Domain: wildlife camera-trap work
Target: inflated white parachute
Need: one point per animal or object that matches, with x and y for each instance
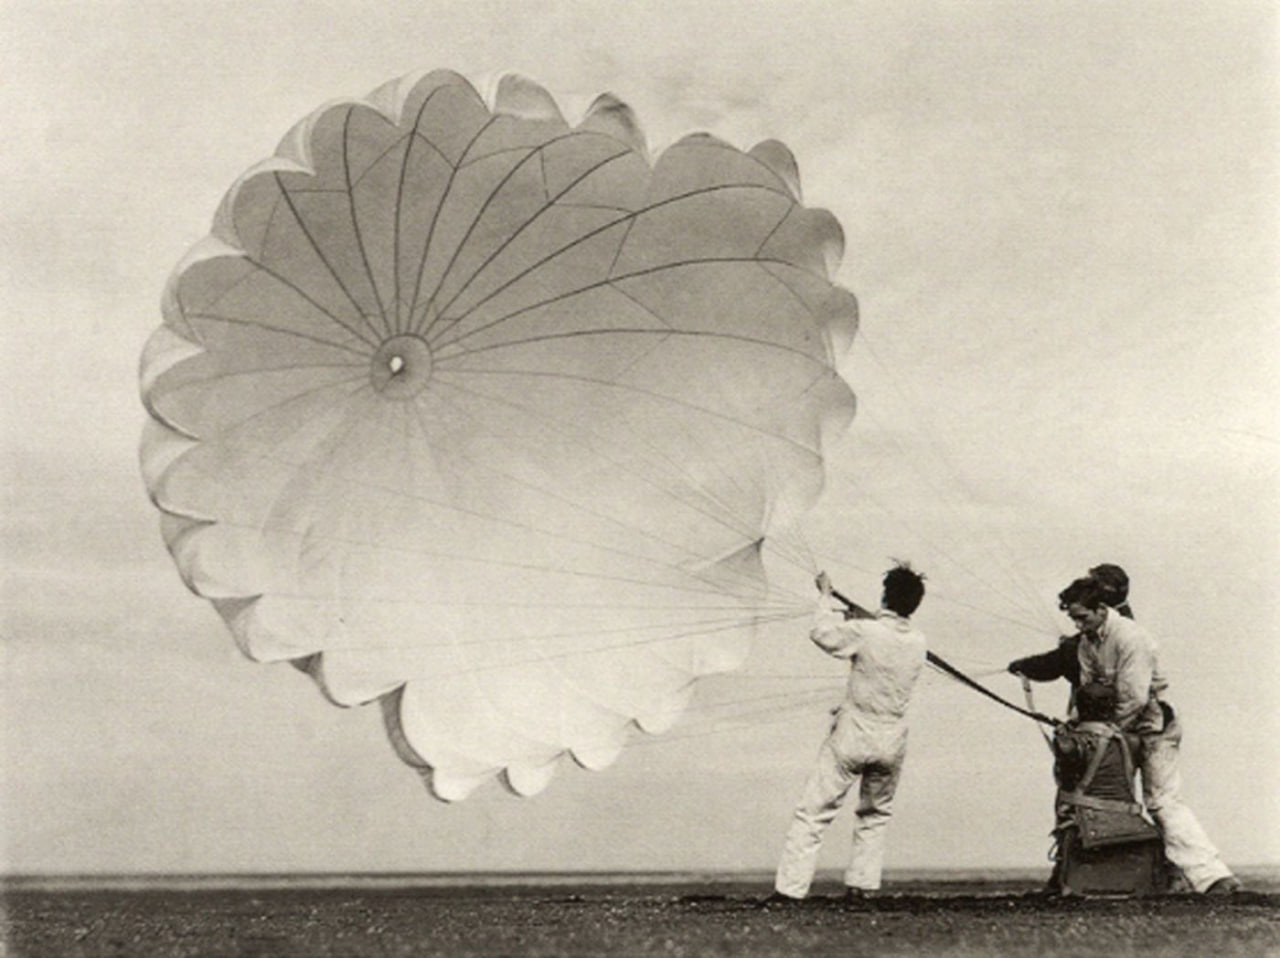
(479, 414)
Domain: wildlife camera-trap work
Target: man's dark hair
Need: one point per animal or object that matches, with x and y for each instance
(1085, 592)
(1114, 582)
(1096, 702)
(903, 589)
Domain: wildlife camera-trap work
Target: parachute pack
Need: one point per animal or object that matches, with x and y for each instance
(1105, 843)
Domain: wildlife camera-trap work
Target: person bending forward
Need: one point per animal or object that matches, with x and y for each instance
(1117, 652)
(868, 738)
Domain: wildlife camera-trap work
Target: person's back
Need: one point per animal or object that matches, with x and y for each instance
(867, 742)
(1076, 748)
(887, 656)
(1091, 755)
(1105, 843)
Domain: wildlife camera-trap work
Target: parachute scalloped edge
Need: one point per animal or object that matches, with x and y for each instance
(162, 446)
(442, 787)
(528, 778)
(595, 758)
(235, 611)
(614, 118)
(521, 97)
(778, 157)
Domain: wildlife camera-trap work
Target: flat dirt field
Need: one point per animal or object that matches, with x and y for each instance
(717, 917)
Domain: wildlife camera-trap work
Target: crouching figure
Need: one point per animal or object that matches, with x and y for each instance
(1106, 844)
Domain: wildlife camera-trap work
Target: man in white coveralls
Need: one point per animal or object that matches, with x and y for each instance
(868, 739)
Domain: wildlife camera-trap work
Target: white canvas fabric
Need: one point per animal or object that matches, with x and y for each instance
(480, 414)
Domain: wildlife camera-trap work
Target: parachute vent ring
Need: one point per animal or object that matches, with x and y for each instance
(401, 368)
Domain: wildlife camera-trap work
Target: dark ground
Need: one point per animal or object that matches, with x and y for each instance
(714, 917)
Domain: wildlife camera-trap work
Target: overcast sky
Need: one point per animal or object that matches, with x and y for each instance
(1062, 227)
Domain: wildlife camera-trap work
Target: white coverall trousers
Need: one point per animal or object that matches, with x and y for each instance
(1185, 841)
(864, 751)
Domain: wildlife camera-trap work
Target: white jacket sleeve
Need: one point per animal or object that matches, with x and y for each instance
(833, 633)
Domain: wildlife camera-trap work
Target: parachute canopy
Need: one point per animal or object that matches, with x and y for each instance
(482, 415)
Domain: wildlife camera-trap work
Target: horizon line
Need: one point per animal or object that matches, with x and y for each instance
(179, 881)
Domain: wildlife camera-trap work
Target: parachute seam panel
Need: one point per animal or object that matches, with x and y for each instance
(355, 220)
(629, 218)
(507, 241)
(257, 324)
(315, 247)
(435, 220)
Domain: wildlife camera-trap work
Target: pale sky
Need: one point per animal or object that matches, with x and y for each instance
(1062, 226)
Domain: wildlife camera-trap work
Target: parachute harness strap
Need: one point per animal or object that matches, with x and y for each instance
(959, 676)
(940, 663)
(1078, 797)
(1031, 706)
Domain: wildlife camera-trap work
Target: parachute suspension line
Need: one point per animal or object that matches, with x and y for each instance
(677, 469)
(1024, 611)
(457, 557)
(748, 585)
(945, 554)
(787, 707)
(511, 663)
(721, 514)
(1030, 696)
(938, 549)
(352, 421)
(944, 598)
(943, 665)
(563, 433)
(1026, 590)
(774, 535)
(800, 706)
(789, 542)
(808, 694)
(733, 477)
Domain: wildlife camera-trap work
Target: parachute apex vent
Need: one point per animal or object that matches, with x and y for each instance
(401, 368)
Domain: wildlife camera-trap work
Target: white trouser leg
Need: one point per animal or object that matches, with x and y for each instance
(875, 808)
(823, 794)
(1185, 841)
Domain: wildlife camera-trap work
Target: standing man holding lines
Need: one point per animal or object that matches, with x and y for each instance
(868, 739)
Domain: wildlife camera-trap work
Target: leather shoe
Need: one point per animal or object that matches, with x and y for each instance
(1225, 886)
(856, 897)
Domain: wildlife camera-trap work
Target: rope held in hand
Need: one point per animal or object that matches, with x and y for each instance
(942, 664)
